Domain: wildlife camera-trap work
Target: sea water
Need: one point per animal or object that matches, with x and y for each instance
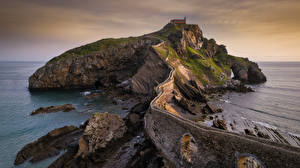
(17, 127)
(274, 104)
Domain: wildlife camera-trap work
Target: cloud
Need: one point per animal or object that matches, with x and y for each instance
(74, 22)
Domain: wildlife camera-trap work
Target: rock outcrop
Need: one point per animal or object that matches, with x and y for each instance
(185, 36)
(101, 129)
(49, 145)
(221, 124)
(52, 109)
(247, 71)
(129, 63)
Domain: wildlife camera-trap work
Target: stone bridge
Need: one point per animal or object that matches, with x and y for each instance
(185, 143)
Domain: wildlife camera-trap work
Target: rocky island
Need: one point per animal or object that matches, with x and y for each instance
(171, 74)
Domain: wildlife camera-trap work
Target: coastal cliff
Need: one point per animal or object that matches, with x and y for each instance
(125, 61)
(171, 73)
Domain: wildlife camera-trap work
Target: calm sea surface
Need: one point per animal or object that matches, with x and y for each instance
(276, 102)
(17, 127)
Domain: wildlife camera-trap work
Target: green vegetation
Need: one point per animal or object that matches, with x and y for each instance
(192, 51)
(240, 60)
(162, 52)
(205, 69)
(166, 31)
(93, 48)
(196, 66)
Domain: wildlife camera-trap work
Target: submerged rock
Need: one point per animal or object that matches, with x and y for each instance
(52, 109)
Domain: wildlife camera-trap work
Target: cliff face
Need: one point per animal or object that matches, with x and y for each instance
(131, 62)
(247, 71)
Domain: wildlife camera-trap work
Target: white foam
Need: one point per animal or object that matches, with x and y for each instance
(243, 118)
(226, 101)
(293, 134)
(85, 93)
(265, 124)
(208, 122)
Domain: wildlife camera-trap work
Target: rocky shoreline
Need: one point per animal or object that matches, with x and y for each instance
(170, 76)
(52, 109)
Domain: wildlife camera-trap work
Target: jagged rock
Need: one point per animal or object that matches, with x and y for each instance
(247, 71)
(49, 145)
(51, 109)
(190, 36)
(112, 63)
(101, 129)
(221, 124)
(189, 91)
(209, 109)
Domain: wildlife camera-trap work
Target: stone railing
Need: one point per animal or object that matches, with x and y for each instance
(185, 143)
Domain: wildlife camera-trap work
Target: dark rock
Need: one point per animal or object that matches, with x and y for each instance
(140, 107)
(263, 135)
(49, 145)
(209, 109)
(249, 132)
(221, 124)
(51, 109)
(243, 89)
(247, 71)
(210, 46)
(232, 126)
(114, 102)
(218, 110)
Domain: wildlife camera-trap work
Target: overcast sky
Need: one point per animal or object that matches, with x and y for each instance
(37, 30)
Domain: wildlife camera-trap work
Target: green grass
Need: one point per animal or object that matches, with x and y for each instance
(93, 48)
(162, 52)
(192, 51)
(240, 60)
(166, 31)
(205, 69)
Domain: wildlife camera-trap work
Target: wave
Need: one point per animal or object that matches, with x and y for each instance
(265, 124)
(224, 100)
